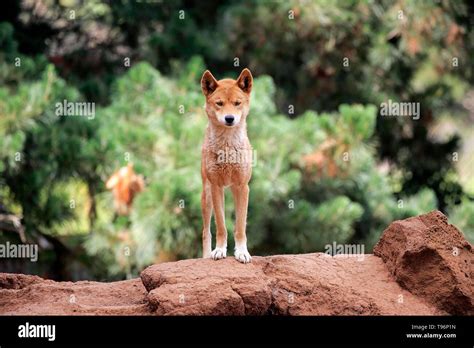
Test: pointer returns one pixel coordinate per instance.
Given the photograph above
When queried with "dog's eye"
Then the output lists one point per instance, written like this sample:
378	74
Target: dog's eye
219	103
237	103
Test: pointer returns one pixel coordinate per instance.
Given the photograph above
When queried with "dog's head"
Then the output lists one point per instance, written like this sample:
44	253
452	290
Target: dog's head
227	100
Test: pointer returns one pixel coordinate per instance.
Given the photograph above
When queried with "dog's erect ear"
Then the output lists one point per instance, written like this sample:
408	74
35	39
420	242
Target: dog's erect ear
208	83
245	81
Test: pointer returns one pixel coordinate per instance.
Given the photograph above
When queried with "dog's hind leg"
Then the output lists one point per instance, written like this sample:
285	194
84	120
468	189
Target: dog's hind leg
206	208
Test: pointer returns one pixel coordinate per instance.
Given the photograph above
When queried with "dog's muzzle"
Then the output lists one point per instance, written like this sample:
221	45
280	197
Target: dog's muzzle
229	120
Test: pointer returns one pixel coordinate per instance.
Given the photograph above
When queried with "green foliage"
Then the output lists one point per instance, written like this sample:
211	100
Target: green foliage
44	159
51	149
309	227
320	54
462	216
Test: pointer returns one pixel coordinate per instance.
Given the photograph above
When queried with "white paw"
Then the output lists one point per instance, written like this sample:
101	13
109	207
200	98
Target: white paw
242	255
219	253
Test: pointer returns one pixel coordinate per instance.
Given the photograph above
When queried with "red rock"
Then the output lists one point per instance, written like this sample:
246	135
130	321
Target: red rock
310	284
413	272
431	258
207	287
17	281
32	295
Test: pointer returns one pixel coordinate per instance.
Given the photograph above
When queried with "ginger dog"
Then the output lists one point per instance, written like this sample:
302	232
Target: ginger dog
125	185
226	161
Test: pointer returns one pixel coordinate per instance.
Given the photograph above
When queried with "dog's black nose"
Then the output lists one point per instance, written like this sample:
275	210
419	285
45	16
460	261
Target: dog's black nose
229	119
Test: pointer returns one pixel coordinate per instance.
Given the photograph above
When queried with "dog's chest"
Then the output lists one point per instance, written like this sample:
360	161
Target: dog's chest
228	163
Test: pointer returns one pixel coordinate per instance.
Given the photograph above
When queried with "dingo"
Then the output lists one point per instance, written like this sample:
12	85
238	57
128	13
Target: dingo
227	107
125	185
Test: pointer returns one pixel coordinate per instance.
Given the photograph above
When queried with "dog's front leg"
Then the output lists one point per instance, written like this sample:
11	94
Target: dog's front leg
206	207
220	251
241	199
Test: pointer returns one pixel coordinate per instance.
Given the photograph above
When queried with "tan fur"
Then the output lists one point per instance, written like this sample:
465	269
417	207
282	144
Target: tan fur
125	185
226	161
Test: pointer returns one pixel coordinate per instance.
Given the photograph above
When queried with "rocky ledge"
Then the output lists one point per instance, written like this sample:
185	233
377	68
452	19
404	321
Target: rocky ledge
421	266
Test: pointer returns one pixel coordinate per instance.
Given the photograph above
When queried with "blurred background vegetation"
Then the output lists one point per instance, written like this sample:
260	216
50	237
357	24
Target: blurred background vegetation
329	168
